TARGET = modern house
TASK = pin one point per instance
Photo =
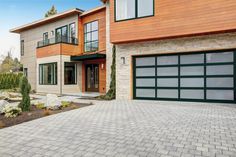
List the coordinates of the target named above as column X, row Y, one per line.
column 165, row 50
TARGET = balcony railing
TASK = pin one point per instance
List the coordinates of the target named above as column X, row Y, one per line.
column 55, row 40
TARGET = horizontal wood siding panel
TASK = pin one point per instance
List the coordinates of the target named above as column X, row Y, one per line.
column 177, row 18
column 100, row 16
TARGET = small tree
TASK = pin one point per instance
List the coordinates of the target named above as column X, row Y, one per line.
column 25, row 91
column 51, row 12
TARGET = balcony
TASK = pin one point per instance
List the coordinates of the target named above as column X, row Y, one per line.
column 56, row 40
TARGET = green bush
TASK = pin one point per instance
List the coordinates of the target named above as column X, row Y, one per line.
column 25, row 91
column 10, row 80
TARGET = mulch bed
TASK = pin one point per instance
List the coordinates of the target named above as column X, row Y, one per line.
column 36, row 113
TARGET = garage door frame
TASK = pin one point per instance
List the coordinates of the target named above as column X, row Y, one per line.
column 205, row 64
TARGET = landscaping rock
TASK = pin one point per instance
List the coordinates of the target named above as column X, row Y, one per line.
column 52, row 102
column 3, row 104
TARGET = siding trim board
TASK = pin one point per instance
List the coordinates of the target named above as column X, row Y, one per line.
column 178, row 88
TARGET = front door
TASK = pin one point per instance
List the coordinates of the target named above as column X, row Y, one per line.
column 92, row 78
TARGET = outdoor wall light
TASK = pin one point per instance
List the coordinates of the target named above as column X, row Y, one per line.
column 122, row 60
column 102, row 66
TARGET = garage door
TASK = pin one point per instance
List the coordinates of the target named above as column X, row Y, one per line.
column 207, row 77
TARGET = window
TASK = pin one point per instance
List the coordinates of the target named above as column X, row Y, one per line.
column 48, row 74
column 22, row 49
column 70, row 73
column 62, row 34
column 45, row 38
column 72, row 33
column 91, row 36
column 25, row 72
column 131, row 9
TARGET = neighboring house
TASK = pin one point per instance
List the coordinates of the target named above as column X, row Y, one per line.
column 165, row 50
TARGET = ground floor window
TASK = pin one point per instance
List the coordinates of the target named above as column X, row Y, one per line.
column 70, row 73
column 48, row 74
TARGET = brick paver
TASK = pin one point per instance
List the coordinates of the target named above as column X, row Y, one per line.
column 127, row 129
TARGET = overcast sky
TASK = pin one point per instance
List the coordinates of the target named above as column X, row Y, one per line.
column 14, row 13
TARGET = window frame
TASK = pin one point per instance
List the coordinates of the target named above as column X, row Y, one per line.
column 61, row 36
column 91, row 32
column 54, row 74
column 22, row 47
column 75, row 65
column 136, row 12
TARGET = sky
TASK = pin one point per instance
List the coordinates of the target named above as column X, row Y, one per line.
column 14, row 13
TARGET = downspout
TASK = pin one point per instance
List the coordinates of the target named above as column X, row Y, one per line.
column 61, row 69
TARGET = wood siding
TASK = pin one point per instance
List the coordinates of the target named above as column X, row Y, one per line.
column 57, row 49
column 102, row 74
column 100, row 16
column 176, row 19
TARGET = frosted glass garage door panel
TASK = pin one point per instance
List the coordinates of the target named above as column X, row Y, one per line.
column 220, row 94
column 145, row 82
column 192, row 82
column 149, row 93
column 220, row 82
column 192, row 94
column 167, row 82
column 167, row 60
column 191, row 70
column 167, row 93
column 147, row 61
column 192, row 59
column 167, row 71
column 220, row 70
column 145, row 72
column 219, row 57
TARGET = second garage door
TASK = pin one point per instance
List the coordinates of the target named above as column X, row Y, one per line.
column 192, row 77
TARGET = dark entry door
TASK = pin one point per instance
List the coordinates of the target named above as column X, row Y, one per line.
column 92, row 78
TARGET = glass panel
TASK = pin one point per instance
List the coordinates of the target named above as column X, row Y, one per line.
column 88, row 27
column 94, row 46
column 94, row 35
column 48, row 74
column 147, row 61
column 192, row 94
column 87, row 37
column 145, row 82
column 145, row 8
column 220, row 94
column 70, row 73
column 88, row 77
column 192, row 82
column 94, row 25
column 191, row 70
column 167, row 71
column 87, row 47
column 167, row 82
column 125, row 9
column 145, row 72
column 96, row 77
column 149, row 93
column 219, row 57
column 72, row 30
column 167, row 60
column 64, row 31
column 192, row 59
column 167, row 93
column 220, row 70
column 220, row 82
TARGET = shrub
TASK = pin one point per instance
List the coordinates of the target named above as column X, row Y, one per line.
column 11, row 111
column 10, row 80
column 40, row 106
column 25, row 91
column 65, row 104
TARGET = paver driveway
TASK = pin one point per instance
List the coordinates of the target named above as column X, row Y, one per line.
column 127, row 128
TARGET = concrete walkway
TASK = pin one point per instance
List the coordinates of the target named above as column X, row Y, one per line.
column 127, row 128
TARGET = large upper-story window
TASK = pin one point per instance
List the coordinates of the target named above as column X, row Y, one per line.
column 91, row 36
column 48, row 74
column 62, row 34
column 131, row 9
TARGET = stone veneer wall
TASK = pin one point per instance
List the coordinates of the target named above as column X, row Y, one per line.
column 124, row 71
column 66, row 89
column 108, row 48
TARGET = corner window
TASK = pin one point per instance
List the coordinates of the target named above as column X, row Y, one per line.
column 91, row 36
column 48, row 74
column 131, row 9
column 22, row 49
column 70, row 74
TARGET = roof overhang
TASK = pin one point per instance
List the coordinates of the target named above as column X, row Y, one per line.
column 88, row 57
column 46, row 20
